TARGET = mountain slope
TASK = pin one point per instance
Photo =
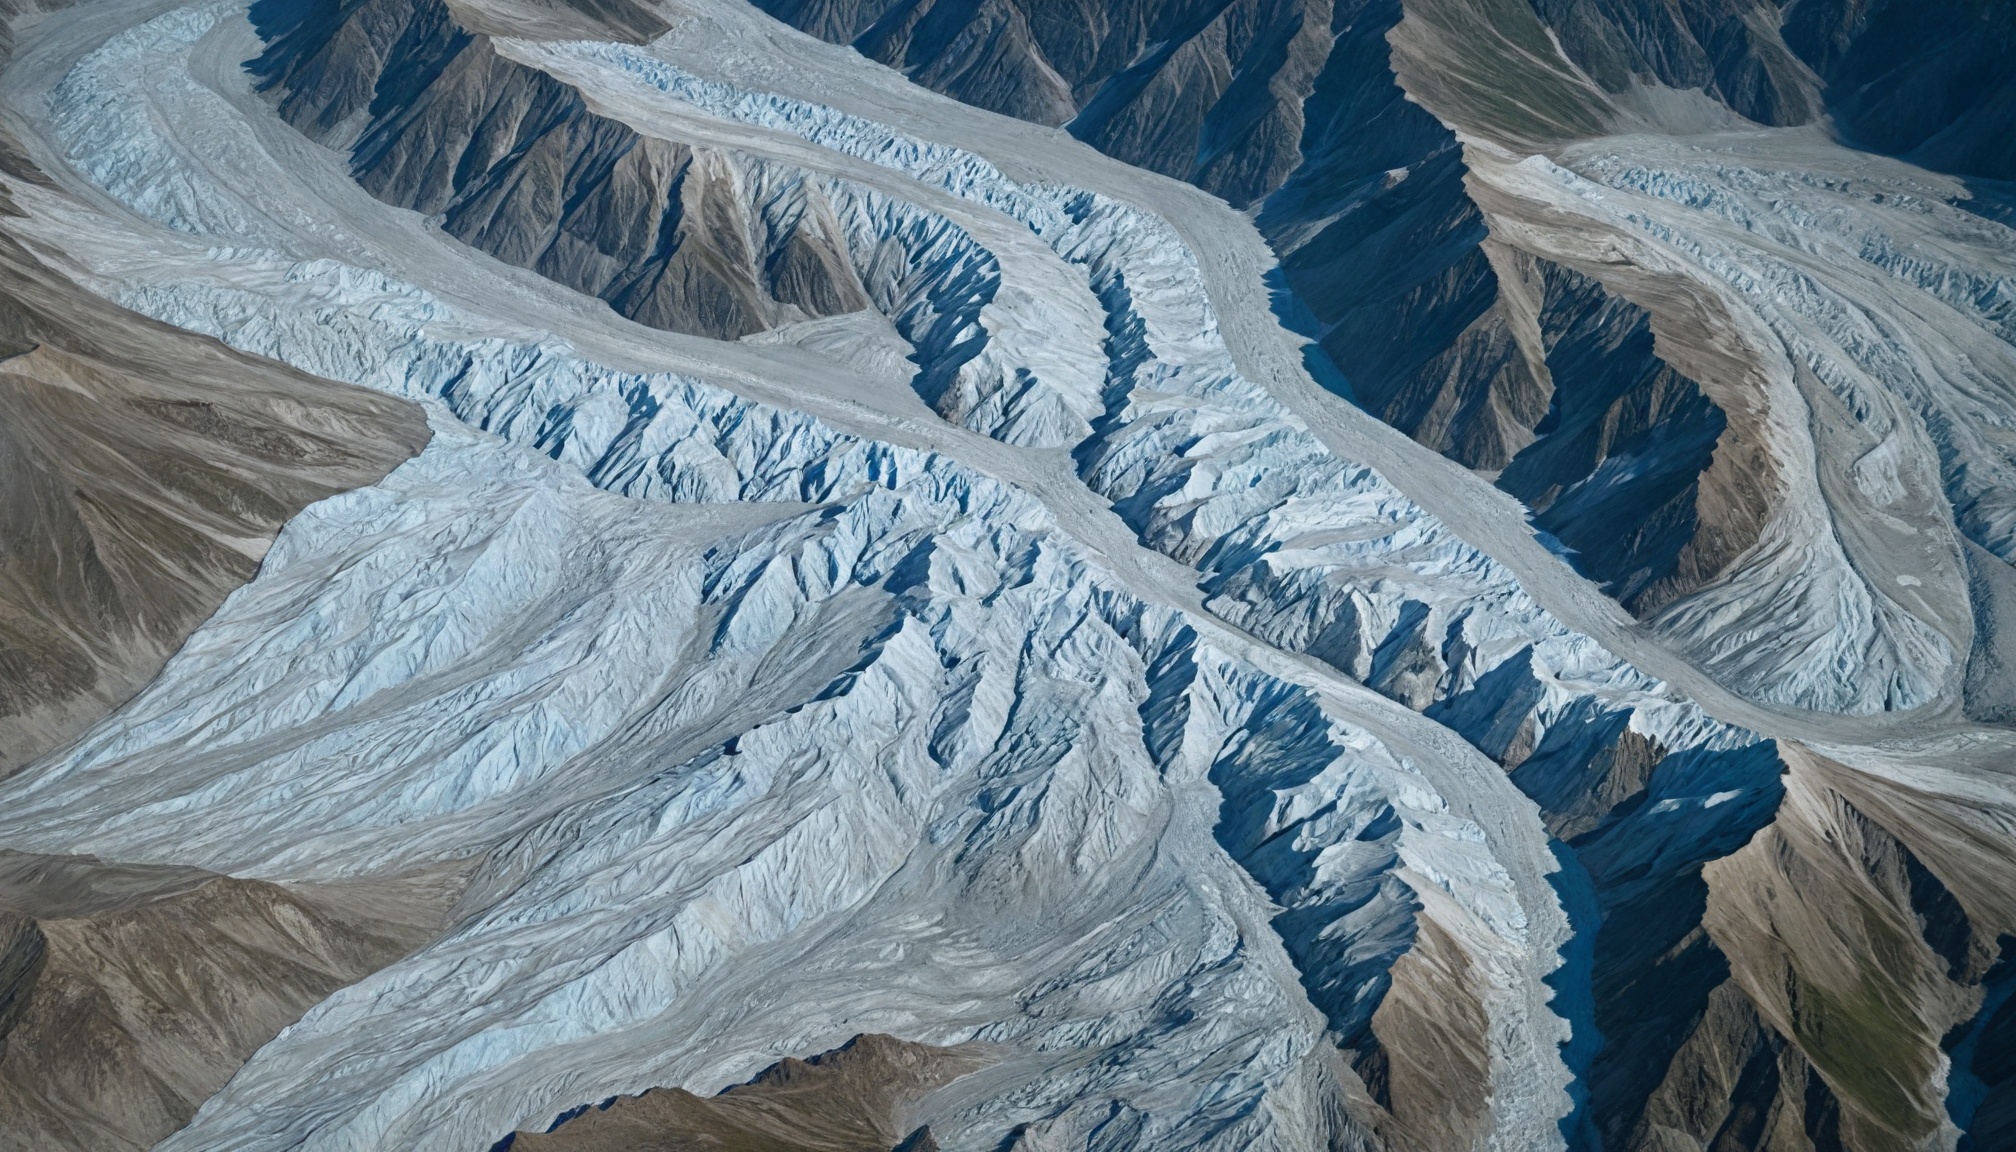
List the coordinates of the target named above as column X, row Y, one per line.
column 146, row 472
column 132, row 993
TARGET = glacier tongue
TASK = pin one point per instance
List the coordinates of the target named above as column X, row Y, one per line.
column 521, row 751
column 631, row 871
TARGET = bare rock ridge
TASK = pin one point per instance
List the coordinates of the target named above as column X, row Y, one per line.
column 851, row 1099
column 515, row 164
column 145, row 471
column 1577, row 416
column 1210, row 91
column 129, row 994
column 1618, row 464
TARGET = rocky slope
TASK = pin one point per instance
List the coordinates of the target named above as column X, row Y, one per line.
column 846, row 1100
column 129, row 994
column 145, row 473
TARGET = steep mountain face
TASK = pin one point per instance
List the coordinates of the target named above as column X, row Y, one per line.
column 518, row 166
column 1208, row 91
column 1925, row 81
column 145, row 473
column 129, row 994
column 1024, row 656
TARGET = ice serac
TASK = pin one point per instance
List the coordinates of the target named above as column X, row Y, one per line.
column 145, row 472
column 827, row 810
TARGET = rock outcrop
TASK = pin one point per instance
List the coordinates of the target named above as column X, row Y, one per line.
column 514, row 163
column 851, row 1099
column 144, row 474
column 130, row 993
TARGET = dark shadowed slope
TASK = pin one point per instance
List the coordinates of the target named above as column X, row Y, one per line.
column 1929, row 80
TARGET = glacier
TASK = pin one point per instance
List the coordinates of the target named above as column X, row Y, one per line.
column 1139, row 742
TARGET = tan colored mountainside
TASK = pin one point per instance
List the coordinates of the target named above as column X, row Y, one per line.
column 848, row 1100
column 129, row 994
column 143, row 473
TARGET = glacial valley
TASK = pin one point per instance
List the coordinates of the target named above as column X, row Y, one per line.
column 1389, row 575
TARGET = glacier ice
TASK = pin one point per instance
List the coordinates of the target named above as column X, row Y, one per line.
column 816, row 734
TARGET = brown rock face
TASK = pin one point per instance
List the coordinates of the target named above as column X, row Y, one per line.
column 1537, row 372
column 848, row 1100
column 1787, row 976
column 1851, row 946
column 1634, row 464
column 1427, row 1061
column 143, row 472
column 129, row 994
column 514, row 163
